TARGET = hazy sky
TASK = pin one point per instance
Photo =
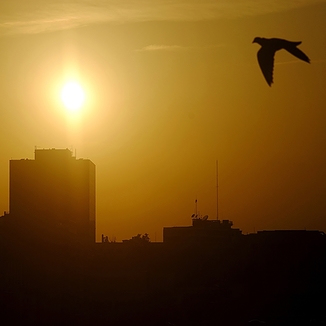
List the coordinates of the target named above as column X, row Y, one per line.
column 171, row 87
column 38, row 16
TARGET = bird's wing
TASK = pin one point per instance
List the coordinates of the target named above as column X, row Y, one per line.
column 297, row 53
column 266, row 63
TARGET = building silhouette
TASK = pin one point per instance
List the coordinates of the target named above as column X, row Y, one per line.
column 202, row 231
column 208, row 273
column 52, row 198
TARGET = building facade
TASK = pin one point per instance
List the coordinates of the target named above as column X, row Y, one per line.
column 52, row 198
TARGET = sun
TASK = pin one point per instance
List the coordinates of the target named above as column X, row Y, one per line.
column 73, row 96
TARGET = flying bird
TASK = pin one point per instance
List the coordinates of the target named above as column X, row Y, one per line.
column 267, row 51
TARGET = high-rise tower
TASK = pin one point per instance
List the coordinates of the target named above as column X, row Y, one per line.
column 52, row 197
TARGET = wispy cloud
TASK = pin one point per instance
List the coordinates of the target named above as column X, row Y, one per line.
column 161, row 47
column 36, row 16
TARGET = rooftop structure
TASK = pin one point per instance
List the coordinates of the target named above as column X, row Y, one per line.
column 202, row 231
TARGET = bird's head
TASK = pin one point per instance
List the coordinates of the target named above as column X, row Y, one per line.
column 257, row 40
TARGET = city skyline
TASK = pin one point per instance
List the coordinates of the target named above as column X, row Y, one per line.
column 167, row 93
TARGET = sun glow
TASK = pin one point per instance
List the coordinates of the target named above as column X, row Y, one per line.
column 72, row 96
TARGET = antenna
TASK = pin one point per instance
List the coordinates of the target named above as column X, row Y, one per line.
column 217, row 189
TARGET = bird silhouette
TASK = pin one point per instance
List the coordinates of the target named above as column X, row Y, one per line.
column 267, row 51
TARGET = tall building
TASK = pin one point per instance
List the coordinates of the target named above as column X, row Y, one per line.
column 52, row 198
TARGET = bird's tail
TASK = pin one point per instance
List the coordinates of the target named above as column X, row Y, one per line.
column 292, row 48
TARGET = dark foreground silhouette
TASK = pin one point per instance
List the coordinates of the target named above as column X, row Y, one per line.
column 274, row 277
column 53, row 273
column 267, row 51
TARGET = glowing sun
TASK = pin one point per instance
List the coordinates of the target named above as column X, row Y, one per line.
column 72, row 96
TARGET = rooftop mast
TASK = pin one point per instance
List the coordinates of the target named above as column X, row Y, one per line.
column 217, row 189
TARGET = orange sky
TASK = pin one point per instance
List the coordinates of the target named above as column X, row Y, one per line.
column 171, row 88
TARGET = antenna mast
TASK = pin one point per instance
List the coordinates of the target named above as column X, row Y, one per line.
column 217, row 189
